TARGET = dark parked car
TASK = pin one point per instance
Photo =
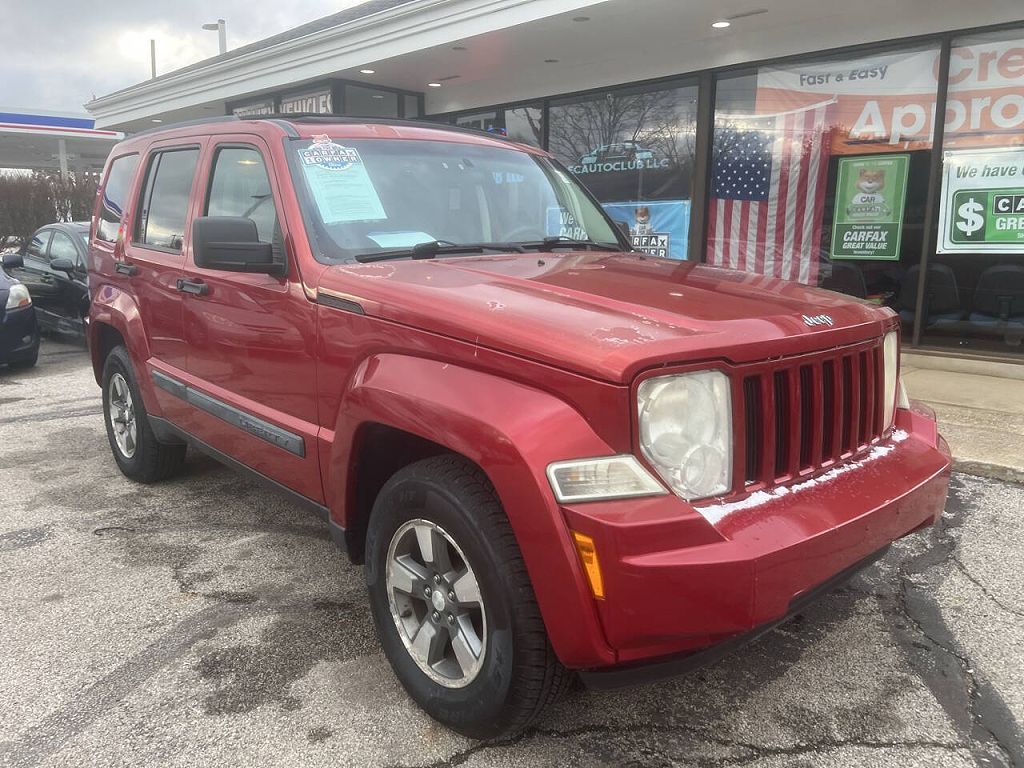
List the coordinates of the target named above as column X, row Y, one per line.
column 19, row 333
column 54, row 272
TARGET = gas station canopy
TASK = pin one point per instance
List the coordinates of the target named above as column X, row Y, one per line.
column 53, row 141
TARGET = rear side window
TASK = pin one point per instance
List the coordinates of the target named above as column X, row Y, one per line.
column 115, row 193
column 165, row 198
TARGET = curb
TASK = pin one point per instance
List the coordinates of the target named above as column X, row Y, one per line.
column 993, row 471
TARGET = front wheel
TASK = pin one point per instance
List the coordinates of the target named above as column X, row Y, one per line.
column 453, row 604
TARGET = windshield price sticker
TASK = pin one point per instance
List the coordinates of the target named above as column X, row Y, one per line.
column 340, row 183
column 983, row 202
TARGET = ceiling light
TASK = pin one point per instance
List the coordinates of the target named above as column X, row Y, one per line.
column 721, row 24
column 367, row 71
column 581, row 18
column 434, row 85
column 157, row 120
column 458, row 47
column 378, row 95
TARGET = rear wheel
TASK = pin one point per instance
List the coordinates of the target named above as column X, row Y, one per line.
column 453, row 604
column 139, row 455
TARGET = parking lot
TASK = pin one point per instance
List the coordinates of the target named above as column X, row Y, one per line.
column 206, row 621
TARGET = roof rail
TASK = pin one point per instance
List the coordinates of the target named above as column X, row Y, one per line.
column 316, row 117
column 185, row 124
column 283, row 120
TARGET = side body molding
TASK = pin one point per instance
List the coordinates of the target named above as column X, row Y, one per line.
column 512, row 432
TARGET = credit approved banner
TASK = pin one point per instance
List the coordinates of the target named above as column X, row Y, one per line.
column 886, row 101
column 870, row 195
column 982, row 207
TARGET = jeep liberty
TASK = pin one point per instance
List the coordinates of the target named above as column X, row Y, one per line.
column 554, row 455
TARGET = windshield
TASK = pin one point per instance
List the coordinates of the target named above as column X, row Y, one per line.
column 363, row 197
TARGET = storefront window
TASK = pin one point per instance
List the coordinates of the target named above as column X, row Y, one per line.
column 820, row 173
column 412, row 106
column 524, row 123
column 634, row 149
column 480, row 121
column 370, row 102
column 974, row 290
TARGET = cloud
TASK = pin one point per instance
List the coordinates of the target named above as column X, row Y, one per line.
column 80, row 50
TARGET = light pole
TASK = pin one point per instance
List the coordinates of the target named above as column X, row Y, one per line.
column 222, row 33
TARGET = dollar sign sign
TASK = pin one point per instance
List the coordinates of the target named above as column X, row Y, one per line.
column 970, row 212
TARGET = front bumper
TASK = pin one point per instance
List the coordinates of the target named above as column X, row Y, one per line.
column 19, row 335
column 639, row 673
column 680, row 578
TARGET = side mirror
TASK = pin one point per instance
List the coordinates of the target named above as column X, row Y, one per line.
column 13, row 260
column 624, row 228
column 62, row 264
column 232, row 244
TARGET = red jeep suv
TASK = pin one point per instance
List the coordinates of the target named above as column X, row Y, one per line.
column 551, row 452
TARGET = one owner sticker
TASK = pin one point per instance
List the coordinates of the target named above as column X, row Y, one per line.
column 339, row 183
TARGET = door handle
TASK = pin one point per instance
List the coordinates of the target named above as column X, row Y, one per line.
column 196, row 287
column 124, row 268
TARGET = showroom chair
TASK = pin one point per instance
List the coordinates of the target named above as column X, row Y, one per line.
column 942, row 309
column 848, row 279
column 998, row 306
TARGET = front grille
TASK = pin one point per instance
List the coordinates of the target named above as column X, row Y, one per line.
column 807, row 413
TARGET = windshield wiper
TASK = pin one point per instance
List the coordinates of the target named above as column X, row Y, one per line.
column 550, row 243
column 438, row 248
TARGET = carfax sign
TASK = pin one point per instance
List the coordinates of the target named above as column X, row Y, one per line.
column 870, row 194
column 982, row 202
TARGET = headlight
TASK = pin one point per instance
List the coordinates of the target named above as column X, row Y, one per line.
column 18, row 297
column 613, row 477
column 686, row 431
column 891, row 361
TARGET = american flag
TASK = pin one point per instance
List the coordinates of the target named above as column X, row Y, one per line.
column 768, row 193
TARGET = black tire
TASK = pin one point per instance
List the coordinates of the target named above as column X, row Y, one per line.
column 151, row 460
column 28, row 362
column 519, row 675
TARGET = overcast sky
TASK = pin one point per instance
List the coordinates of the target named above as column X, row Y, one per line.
column 71, row 50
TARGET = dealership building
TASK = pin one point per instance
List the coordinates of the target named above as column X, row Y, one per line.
column 875, row 148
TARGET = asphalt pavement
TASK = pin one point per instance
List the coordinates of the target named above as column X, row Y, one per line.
column 208, row 622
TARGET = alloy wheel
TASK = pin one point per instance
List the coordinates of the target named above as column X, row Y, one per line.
column 436, row 603
column 121, row 412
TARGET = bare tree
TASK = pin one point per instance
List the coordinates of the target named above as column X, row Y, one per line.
column 28, row 201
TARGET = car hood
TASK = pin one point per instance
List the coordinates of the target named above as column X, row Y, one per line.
column 607, row 315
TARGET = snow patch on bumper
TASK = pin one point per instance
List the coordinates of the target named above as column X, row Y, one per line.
column 714, row 513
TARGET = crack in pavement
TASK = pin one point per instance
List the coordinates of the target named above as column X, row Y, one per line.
column 52, row 415
column 55, row 730
column 971, row 702
column 985, row 591
column 750, row 750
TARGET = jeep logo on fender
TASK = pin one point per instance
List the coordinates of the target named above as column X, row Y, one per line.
column 818, row 320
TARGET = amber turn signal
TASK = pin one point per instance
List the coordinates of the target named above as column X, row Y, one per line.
column 588, row 556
